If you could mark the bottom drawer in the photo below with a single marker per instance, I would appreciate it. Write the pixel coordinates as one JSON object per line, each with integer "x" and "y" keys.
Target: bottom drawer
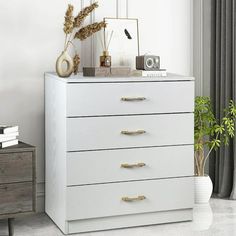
{"x": 16, "y": 198}
{"x": 102, "y": 200}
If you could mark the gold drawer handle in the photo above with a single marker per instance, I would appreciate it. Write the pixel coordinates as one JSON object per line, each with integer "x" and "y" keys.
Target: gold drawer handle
{"x": 132, "y": 199}
{"x": 126, "y": 132}
{"x": 133, "y": 99}
{"x": 125, "y": 165}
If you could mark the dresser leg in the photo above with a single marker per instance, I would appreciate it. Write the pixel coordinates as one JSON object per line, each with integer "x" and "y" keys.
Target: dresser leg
{"x": 10, "y": 226}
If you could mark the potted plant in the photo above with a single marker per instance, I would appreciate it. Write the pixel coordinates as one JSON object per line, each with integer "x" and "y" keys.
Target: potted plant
{"x": 209, "y": 135}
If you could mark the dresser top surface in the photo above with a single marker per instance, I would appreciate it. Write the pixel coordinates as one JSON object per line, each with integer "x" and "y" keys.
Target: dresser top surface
{"x": 21, "y": 147}
{"x": 81, "y": 79}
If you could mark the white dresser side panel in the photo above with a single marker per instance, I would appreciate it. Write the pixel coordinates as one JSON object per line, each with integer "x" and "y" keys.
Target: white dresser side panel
{"x": 55, "y": 149}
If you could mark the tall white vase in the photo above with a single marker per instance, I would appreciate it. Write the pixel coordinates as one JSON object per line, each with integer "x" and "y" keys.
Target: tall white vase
{"x": 203, "y": 189}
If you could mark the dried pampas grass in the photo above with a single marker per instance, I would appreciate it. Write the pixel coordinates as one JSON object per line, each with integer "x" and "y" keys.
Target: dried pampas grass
{"x": 69, "y": 20}
{"x": 87, "y": 31}
{"x": 72, "y": 24}
{"x": 76, "y": 61}
{"x": 83, "y": 14}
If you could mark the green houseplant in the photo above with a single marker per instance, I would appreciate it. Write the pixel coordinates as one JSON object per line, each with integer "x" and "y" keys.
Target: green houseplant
{"x": 209, "y": 134}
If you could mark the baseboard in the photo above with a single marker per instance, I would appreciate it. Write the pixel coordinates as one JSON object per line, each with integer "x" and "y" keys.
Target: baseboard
{"x": 126, "y": 221}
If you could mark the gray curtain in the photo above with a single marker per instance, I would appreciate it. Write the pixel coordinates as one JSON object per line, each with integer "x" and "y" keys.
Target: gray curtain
{"x": 223, "y": 88}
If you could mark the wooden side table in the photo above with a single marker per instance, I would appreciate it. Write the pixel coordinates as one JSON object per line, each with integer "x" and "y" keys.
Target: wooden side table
{"x": 17, "y": 182}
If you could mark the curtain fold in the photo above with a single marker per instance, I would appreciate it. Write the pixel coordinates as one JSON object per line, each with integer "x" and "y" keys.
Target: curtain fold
{"x": 223, "y": 162}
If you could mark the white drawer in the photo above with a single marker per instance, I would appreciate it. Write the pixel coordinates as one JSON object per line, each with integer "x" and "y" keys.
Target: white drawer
{"x": 93, "y": 133}
{"x": 105, "y": 98}
{"x": 102, "y": 200}
{"x": 106, "y": 166}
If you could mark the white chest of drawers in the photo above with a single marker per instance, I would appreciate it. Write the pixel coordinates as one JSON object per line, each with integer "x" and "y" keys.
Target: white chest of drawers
{"x": 119, "y": 151}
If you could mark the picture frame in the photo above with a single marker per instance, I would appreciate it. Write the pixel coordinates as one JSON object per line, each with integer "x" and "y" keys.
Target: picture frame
{"x": 124, "y": 44}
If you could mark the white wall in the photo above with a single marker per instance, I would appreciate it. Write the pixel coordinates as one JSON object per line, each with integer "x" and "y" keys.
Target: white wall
{"x": 165, "y": 30}
{"x": 32, "y": 38}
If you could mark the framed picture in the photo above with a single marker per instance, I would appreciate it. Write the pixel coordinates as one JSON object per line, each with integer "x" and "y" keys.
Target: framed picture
{"x": 124, "y": 43}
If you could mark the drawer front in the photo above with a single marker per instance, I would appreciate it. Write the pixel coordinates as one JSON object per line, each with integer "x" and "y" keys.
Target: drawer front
{"x": 15, "y": 167}
{"x": 16, "y": 198}
{"x": 129, "y": 164}
{"x": 138, "y": 98}
{"x": 92, "y": 201}
{"x": 93, "y": 133}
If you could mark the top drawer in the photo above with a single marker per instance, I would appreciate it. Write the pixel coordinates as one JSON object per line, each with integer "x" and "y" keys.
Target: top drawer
{"x": 96, "y": 99}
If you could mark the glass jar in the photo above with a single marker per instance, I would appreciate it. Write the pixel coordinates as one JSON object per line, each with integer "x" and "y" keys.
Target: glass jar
{"x": 105, "y": 59}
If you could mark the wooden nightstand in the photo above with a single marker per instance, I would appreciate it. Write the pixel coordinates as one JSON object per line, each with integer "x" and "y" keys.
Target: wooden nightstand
{"x": 17, "y": 182}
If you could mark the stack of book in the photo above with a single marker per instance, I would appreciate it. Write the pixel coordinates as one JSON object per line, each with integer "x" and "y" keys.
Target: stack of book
{"x": 8, "y": 135}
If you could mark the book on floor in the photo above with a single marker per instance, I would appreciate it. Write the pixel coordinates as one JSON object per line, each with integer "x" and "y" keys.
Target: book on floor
{"x": 6, "y": 129}
{"x": 8, "y": 143}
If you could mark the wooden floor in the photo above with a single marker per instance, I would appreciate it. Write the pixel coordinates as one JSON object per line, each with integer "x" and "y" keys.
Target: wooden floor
{"x": 216, "y": 219}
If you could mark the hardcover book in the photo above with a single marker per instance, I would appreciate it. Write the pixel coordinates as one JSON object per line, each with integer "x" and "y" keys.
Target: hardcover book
{"x": 8, "y": 143}
{"x": 145, "y": 73}
{"x": 7, "y": 138}
{"x": 8, "y": 135}
{"x": 6, "y": 129}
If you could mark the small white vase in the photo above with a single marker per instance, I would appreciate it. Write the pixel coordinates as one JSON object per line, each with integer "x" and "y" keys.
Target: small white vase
{"x": 203, "y": 189}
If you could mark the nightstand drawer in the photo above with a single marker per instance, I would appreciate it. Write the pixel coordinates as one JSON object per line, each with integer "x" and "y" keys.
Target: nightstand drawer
{"x": 93, "y": 133}
{"x": 104, "y": 200}
{"x": 16, "y": 167}
{"x": 96, "y": 99}
{"x": 130, "y": 164}
{"x": 16, "y": 198}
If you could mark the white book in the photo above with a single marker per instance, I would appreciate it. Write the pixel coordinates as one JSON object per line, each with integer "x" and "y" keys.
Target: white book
{"x": 9, "y": 135}
{"x": 145, "y": 73}
{"x": 6, "y": 129}
{"x": 7, "y": 138}
{"x": 9, "y": 143}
